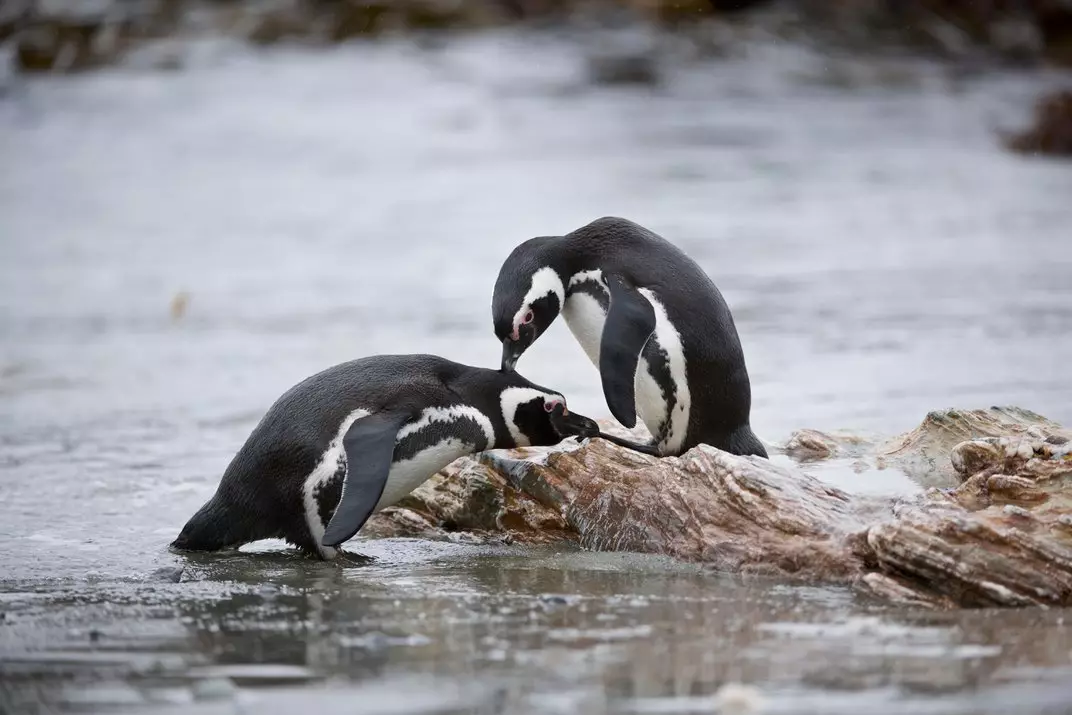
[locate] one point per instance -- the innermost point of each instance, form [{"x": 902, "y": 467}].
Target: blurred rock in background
[
  {"x": 624, "y": 41},
  {"x": 1051, "y": 132},
  {"x": 71, "y": 35}
]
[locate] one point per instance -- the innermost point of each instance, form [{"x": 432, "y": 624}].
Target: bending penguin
[
  {"x": 357, "y": 437},
  {"x": 651, "y": 321}
]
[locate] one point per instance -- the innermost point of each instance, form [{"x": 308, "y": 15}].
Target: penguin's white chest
[
  {"x": 407, "y": 475},
  {"x": 585, "y": 318},
  {"x": 437, "y": 437},
  {"x": 661, "y": 385}
]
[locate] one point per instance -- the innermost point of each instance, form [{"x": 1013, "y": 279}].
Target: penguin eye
[
  {"x": 549, "y": 406},
  {"x": 528, "y": 318}
]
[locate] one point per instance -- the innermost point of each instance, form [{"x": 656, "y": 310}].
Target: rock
[
  {"x": 889, "y": 588},
  {"x": 70, "y": 35},
  {"x": 1003, "y": 537},
  {"x": 61, "y": 45},
  {"x": 347, "y": 20},
  {"x": 924, "y": 453},
  {"x": 1040, "y": 455},
  {"x": 278, "y": 22},
  {"x": 170, "y": 574},
  {"x": 974, "y": 546},
  {"x": 733, "y": 513},
  {"x": 12, "y": 15},
  {"x": 1017, "y": 37},
  {"x": 1052, "y": 129},
  {"x": 470, "y": 496},
  {"x": 623, "y": 68},
  {"x": 75, "y": 36},
  {"x": 808, "y": 445},
  {"x": 343, "y": 20},
  {"x": 994, "y": 557}
]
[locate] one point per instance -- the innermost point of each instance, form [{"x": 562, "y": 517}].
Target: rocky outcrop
[
  {"x": 472, "y": 498},
  {"x": 1001, "y": 538},
  {"x": 924, "y": 453},
  {"x": 1051, "y": 131},
  {"x": 998, "y": 532}
]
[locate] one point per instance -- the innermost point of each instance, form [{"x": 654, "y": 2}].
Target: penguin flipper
[
  {"x": 630, "y": 322},
  {"x": 370, "y": 449}
]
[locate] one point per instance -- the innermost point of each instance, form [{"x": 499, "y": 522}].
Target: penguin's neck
[
  {"x": 566, "y": 257},
  {"x": 480, "y": 388}
]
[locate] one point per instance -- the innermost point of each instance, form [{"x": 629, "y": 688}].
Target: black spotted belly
[{"x": 658, "y": 366}]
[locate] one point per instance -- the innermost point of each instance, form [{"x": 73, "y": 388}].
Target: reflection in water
[{"x": 524, "y": 628}]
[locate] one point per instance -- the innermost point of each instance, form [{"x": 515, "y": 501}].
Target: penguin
[
  {"x": 651, "y": 321},
  {"x": 357, "y": 437}
]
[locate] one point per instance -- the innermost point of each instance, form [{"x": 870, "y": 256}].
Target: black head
[
  {"x": 536, "y": 416},
  {"x": 528, "y": 297}
]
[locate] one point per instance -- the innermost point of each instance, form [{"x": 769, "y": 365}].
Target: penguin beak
[
  {"x": 511, "y": 352},
  {"x": 570, "y": 424}
]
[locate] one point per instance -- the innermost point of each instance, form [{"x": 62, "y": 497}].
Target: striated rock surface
[
  {"x": 1003, "y": 537},
  {"x": 471, "y": 497},
  {"x": 808, "y": 445},
  {"x": 924, "y": 453},
  {"x": 734, "y": 513}
]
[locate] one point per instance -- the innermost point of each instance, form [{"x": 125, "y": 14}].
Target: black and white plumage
[
  {"x": 357, "y": 437},
  {"x": 651, "y": 321}
]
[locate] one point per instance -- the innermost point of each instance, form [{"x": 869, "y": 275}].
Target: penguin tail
[
  {"x": 743, "y": 441},
  {"x": 214, "y": 527}
]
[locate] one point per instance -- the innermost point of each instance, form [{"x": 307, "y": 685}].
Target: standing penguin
[
  {"x": 357, "y": 437},
  {"x": 651, "y": 321}
]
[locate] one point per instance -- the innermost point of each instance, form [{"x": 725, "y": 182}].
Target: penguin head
[
  {"x": 538, "y": 417},
  {"x": 529, "y": 294}
]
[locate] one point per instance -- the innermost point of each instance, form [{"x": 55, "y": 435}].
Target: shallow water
[{"x": 882, "y": 255}]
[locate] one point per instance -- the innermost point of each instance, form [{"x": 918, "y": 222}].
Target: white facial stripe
[
  {"x": 510, "y": 398},
  {"x": 325, "y": 470},
  {"x": 449, "y": 414},
  {"x": 670, "y": 341},
  {"x": 544, "y": 281},
  {"x": 593, "y": 275}
]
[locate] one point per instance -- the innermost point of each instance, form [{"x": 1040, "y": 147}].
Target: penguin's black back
[
  {"x": 721, "y": 403},
  {"x": 311, "y": 411},
  {"x": 259, "y": 492}
]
